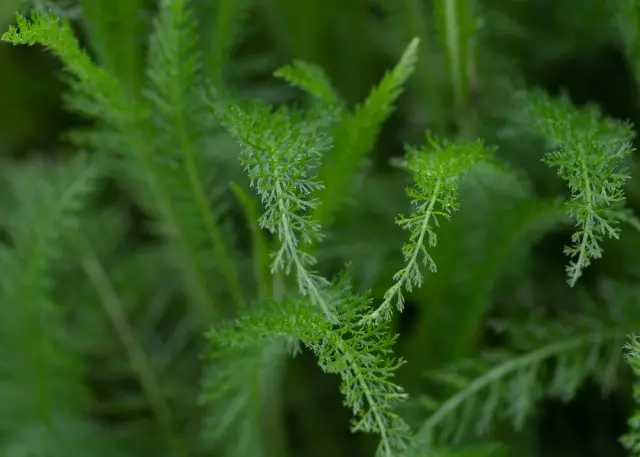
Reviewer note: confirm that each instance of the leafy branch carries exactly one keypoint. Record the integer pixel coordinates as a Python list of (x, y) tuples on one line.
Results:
[(589, 152), (174, 76), (174, 195), (355, 134), (437, 169), (509, 385), (279, 151), (360, 355), (36, 354)]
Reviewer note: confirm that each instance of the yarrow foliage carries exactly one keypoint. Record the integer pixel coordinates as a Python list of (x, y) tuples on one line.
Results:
[(280, 149), (437, 168), (360, 355), (589, 152)]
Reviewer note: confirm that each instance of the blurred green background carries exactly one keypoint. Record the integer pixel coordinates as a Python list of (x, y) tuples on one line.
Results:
[(577, 46)]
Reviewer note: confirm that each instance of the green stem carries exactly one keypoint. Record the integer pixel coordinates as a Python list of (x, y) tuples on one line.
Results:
[(259, 243), (135, 352)]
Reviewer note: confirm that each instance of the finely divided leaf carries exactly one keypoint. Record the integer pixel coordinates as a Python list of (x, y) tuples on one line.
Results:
[(41, 377), (509, 385), (179, 117), (359, 354), (356, 135), (437, 169), (280, 151), (589, 152), (312, 79)]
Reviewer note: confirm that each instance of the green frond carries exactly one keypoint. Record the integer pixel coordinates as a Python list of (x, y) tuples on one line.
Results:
[(124, 127), (174, 60), (280, 151), (312, 79), (503, 385), (437, 169), (222, 35), (362, 357), (123, 58), (179, 114), (241, 392), (356, 135), (98, 92), (40, 376), (457, 24), (359, 354), (589, 152)]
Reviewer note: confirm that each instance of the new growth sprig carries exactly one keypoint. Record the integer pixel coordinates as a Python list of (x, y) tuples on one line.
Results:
[(279, 151), (589, 151), (437, 168), (362, 356)]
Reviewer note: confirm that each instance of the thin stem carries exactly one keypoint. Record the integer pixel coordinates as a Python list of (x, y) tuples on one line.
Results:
[(135, 352), (259, 243), (306, 281), (497, 373), (396, 289)]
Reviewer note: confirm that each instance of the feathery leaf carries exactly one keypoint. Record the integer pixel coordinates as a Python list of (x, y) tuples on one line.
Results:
[(40, 376), (356, 135), (280, 151), (359, 354), (589, 151), (437, 169), (506, 385)]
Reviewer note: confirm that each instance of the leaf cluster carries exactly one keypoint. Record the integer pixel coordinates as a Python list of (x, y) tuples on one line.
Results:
[(589, 152)]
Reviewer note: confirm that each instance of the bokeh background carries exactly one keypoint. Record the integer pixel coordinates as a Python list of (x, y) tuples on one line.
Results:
[(582, 47)]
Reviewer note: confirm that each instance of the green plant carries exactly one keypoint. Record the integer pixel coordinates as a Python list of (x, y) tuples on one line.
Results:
[(317, 269)]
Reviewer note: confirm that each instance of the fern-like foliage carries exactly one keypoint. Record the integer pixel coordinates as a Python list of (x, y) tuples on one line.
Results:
[(457, 24), (104, 19), (280, 151), (627, 13), (631, 440), (312, 79), (360, 355), (181, 123), (553, 359), (34, 351), (166, 174), (242, 394), (589, 152), (221, 35), (355, 132), (437, 168)]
